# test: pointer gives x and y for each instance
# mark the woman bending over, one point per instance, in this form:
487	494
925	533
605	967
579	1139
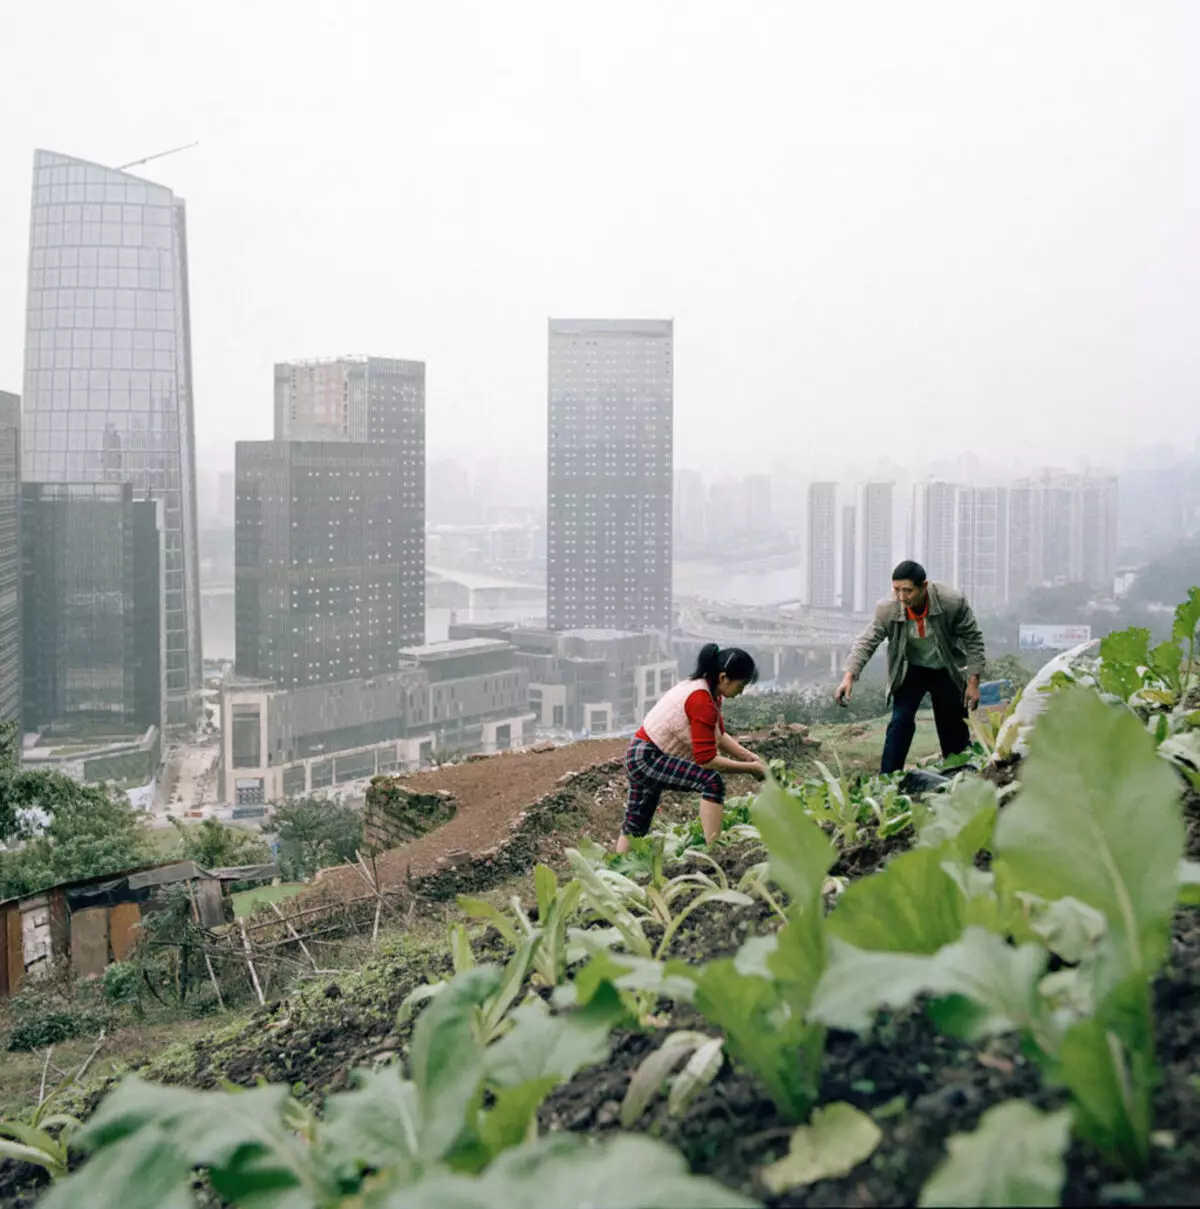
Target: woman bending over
683	745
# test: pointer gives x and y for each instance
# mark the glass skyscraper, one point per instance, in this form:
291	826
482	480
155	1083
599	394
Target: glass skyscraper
108	374
10	557
611	404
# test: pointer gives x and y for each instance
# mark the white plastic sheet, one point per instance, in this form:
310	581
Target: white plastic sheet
1014	734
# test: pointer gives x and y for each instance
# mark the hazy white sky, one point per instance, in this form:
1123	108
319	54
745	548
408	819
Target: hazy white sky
881	228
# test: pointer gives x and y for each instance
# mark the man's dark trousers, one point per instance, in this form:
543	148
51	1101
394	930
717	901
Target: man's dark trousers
949	715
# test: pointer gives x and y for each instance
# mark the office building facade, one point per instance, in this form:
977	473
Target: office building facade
447	697
822	545
609	482
93	627
108	373
329	554
10	557
849	560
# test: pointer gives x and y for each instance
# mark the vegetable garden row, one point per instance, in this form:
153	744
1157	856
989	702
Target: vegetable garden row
796	1014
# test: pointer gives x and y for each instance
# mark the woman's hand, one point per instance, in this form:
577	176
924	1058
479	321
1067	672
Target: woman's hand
758	770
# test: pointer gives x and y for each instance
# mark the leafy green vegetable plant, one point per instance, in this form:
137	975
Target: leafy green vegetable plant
490	1019
392	1141
1087	863
624	904
557	907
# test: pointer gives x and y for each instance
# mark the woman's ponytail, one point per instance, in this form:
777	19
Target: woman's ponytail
708	665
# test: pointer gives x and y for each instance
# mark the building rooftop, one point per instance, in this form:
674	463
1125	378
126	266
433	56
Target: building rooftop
454	649
600	635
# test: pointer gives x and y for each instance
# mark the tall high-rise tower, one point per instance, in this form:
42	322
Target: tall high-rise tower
10	557
329	532
108	370
875	542
611	389
849	561
822	545
1062	529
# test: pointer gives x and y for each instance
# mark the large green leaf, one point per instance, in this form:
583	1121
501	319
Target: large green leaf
800	852
1098	819
1121	655
762	1030
838	1139
911	906
1014	1157
1107	1062
998	981
376	1125
541	1045
1187	618
146	1139
1166	661
564	1172
447	1061
966	818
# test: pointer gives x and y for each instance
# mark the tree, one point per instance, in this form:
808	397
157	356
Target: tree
69	830
315	833
212	845
1166	580
1008	667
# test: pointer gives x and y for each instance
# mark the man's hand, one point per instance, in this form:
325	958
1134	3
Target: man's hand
759	771
841	694
971	696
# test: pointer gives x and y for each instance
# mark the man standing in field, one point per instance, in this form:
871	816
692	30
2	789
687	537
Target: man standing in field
934	647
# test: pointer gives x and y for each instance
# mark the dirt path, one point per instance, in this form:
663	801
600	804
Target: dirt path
489	794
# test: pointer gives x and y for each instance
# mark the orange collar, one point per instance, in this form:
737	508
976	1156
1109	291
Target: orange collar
920	617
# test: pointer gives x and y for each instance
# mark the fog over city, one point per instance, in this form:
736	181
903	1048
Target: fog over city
883	231
406	379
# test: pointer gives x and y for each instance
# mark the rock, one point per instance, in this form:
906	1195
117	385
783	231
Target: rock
952	1099
1127	1193
919	780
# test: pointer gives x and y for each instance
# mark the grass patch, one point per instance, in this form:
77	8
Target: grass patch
246	900
860	744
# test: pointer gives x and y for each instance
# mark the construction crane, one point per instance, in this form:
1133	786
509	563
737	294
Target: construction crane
158	155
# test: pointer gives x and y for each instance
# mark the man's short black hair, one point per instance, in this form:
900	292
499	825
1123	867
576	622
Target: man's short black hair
910	570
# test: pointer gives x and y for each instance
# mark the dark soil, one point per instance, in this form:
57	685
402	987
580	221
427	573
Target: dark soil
921	1087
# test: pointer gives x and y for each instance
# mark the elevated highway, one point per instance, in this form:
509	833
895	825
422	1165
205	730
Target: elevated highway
790	643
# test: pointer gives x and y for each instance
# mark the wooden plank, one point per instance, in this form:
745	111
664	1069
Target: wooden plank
16	951
3	952
123	929
89	941
60	923
206	895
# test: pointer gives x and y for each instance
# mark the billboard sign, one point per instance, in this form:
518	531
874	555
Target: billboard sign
1054	637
